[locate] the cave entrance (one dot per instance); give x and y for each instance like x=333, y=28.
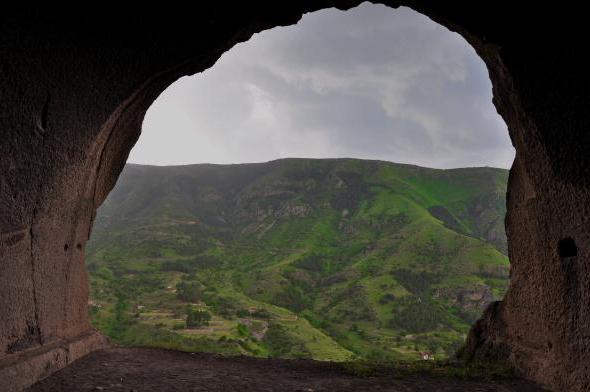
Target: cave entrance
x=389, y=249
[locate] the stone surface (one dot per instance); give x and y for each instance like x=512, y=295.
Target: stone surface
x=123, y=370
x=27, y=367
x=74, y=90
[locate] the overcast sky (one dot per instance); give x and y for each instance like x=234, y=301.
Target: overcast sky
x=371, y=82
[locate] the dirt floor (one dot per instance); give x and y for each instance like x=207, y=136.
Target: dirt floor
x=122, y=369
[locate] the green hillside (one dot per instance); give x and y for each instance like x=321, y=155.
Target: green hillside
x=331, y=259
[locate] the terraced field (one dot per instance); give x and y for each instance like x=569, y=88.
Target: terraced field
x=325, y=259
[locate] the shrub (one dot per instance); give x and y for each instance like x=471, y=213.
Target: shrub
x=243, y=330
x=294, y=298
x=278, y=341
x=223, y=306
x=261, y=314
x=196, y=318
x=418, y=316
x=386, y=298
x=417, y=282
x=312, y=262
x=189, y=291
x=177, y=265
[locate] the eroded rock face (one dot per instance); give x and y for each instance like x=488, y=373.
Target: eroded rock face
x=74, y=90
x=471, y=301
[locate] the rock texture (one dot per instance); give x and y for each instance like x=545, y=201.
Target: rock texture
x=124, y=370
x=74, y=90
x=19, y=371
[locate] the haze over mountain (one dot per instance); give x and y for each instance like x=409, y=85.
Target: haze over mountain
x=330, y=259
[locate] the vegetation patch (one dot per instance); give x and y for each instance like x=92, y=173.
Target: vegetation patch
x=326, y=259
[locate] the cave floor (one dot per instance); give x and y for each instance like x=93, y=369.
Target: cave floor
x=124, y=369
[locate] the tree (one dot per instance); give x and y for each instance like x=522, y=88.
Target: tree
x=196, y=318
x=189, y=291
x=120, y=320
x=278, y=341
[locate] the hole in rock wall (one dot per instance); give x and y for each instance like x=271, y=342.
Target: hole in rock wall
x=567, y=247
x=387, y=244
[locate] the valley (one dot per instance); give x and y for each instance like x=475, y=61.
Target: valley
x=331, y=259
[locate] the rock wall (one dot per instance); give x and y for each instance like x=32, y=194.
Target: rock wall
x=74, y=90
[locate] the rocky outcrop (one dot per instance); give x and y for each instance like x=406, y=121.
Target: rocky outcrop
x=74, y=90
x=468, y=299
x=485, y=342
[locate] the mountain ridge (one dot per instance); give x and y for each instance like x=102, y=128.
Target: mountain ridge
x=363, y=251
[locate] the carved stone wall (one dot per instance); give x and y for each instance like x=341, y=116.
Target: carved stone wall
x=74, y=90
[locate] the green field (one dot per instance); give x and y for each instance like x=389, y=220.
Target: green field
x=332, y=259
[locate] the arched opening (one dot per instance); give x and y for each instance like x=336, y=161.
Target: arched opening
x=74, y=97
x=335, y=259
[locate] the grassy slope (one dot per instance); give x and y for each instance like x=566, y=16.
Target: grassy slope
x=348, y=257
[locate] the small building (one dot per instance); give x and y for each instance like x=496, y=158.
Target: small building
x=426, y=356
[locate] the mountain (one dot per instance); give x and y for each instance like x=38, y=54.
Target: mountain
x=330, y=259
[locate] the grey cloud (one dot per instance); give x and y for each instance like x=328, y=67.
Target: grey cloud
x=370, y=83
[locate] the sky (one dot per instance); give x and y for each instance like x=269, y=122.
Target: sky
x=372, y=82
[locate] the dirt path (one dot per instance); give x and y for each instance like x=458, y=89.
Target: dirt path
x=121, y=369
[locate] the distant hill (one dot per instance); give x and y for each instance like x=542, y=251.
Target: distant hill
x=330, y=259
